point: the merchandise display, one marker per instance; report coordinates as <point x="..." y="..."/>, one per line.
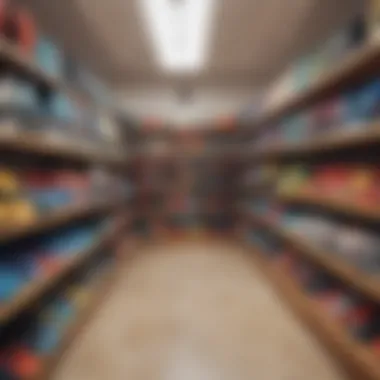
<point x="340" y="115"/>
<point x="57" y="112"/>
<point x="64" y="190"/>
<point x="23" y="356"/>
<point x="307" y="70"/>
<point x="23" y="263"/>
<point x="357" y="185"/>
<point x="315" y="226"/>
<point x="357" y="245"/>
<point x="75" y="170"/>
<point x="189" y="192"/>
<point x="359" y="316"/>
<point x="27" y="195"/>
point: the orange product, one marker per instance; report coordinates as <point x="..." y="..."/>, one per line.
<point x="365" y="186"/>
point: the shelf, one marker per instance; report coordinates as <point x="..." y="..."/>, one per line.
<point x="24" y="62"/>
<point x="359" y="66"/>
<point x="338" y="141"/>
<point x="337" y="206"/>
<point x="99" y="292"/>
<point x="13" y="54"/>
<point x="37" y="143"/>
<point x="37" y="288"/>
<point x="355" y="357"/>
<point x="365" y="283"/>
<point x="54" y="220"/>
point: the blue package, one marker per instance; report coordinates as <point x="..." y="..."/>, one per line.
<point x="69" y="242"/>
<point x="11" y="281"/>
<point x="49" y="199"/>
<point x="363" y="104"/>
<point x="63" y="109"/>
<point x="49" y="329"/>
<point x="20" y="258"/>
<point x="17" y="94"/>
<point x="48" y="57"/>
<point x="45" y="339"/>
<point x="30" y="267"/>
<point x="294" y="129"/>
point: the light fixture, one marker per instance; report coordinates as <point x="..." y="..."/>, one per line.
<point x="180" y="31"/>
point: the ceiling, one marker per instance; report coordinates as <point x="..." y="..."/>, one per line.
<point x="253" y="40"/>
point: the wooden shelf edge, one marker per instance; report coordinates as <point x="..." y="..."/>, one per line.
<point x="358" y="361"/>
<point x="13" y="54"/>
<point x="54" y="220"/>
<point x="342" y="140"/>
<point x="37" y="143"/>
<point x="24" y="61"/>
<point x="364" y="58"/>
<point x="33" y="291"/>
<point x="334" y="205"/>
<point x="356" y="279"/>
<point x="99" y="292"/>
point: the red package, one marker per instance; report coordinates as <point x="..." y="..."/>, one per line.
<point x="23" y="363"/>
<point x="18" y="26"/>
<point x="331" y="181"/>
<point x="27" y="34"/>
<point x="49" y="265"/>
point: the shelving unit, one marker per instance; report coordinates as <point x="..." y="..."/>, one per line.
<point x="76" y="150"/>
<point x="40" y="145"/>
<point x="359" y="66"/>
<point x="99" y="292"/>
<point x="370" y="135"/>
<point x="316" y="148"/>
<point x="334" y="205"/>
<point x="356" y="279"/>
<point x="359" y="362"/>
<point x="25" y="64"/>
<point x="56" y="219"/>
<point x="36" y="289"/>
<point x="186" y="201"/>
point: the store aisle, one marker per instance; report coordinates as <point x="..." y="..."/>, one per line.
<point x="194" y="311"/>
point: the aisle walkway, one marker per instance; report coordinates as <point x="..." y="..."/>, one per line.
<point x="194" y="312"/>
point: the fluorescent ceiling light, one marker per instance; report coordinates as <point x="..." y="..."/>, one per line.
<point x="180" y="31"/>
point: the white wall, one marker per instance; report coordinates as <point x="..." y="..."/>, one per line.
<point x="207" y="103"/>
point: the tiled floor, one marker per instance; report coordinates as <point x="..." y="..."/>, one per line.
<point x="194" y="311"/>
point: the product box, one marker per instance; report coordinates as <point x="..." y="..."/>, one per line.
<point x="49" y="57"/>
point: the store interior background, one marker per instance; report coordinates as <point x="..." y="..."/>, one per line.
<point x="215" y="224"/>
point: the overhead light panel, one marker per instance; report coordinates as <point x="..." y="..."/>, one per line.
<point x="180" y="31"/>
